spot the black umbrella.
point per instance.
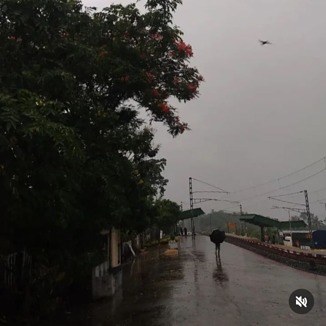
(217, 236)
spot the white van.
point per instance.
(288, 241)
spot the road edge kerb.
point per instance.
(312, 263)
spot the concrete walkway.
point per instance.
(191, 288)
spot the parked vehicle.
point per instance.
(319, 239)
(296, 238)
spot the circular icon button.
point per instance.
(301, 301)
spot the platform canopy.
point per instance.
(191, 213)
(264, 221)
(287, 225)
(259, 220)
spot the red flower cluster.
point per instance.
(176, 80)
(155, 93)
(103, 54)
(150, 76)
(184, 48)
(63, 34)
(164, 107)
(156, 37)
(171, 54)
(125, 78)
(192, 87)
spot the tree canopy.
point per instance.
(167, 214)
(75, 157)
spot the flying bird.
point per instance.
(264, 42)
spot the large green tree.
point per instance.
(167, 215)
(74, 155)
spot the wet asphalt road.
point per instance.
(192, 289)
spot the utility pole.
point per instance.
(181, 222)
(290, 220)
(191, 196)
(241, 213)
(201, 200)
(308, 212)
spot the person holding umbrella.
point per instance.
(217, 237)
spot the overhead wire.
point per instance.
(295, 183)
(214, 199)
(291, 194)
(287, 202)
(283, 177)
(290, 208)
(208, 184)
(313, 192)
(271, 181)
(320, 201)
(211, 191)
(280, 188)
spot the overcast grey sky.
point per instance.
(261, 112)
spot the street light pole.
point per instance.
(191, 196)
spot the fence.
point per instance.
(15, 269)
(102, 269)
(105, 281)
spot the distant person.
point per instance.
(273, 239)
(218, 249)
(217, 237)
(185, 231)
(181, 231)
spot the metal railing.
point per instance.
(15, 268)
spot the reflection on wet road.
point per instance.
(194, 288)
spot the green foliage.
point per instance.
(154, 243)
(74, 155)
(206, 223)
(167, 214)
(316, 223)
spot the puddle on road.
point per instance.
(154, 285)
(219, 274)
(171, 275)
(147, 283)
